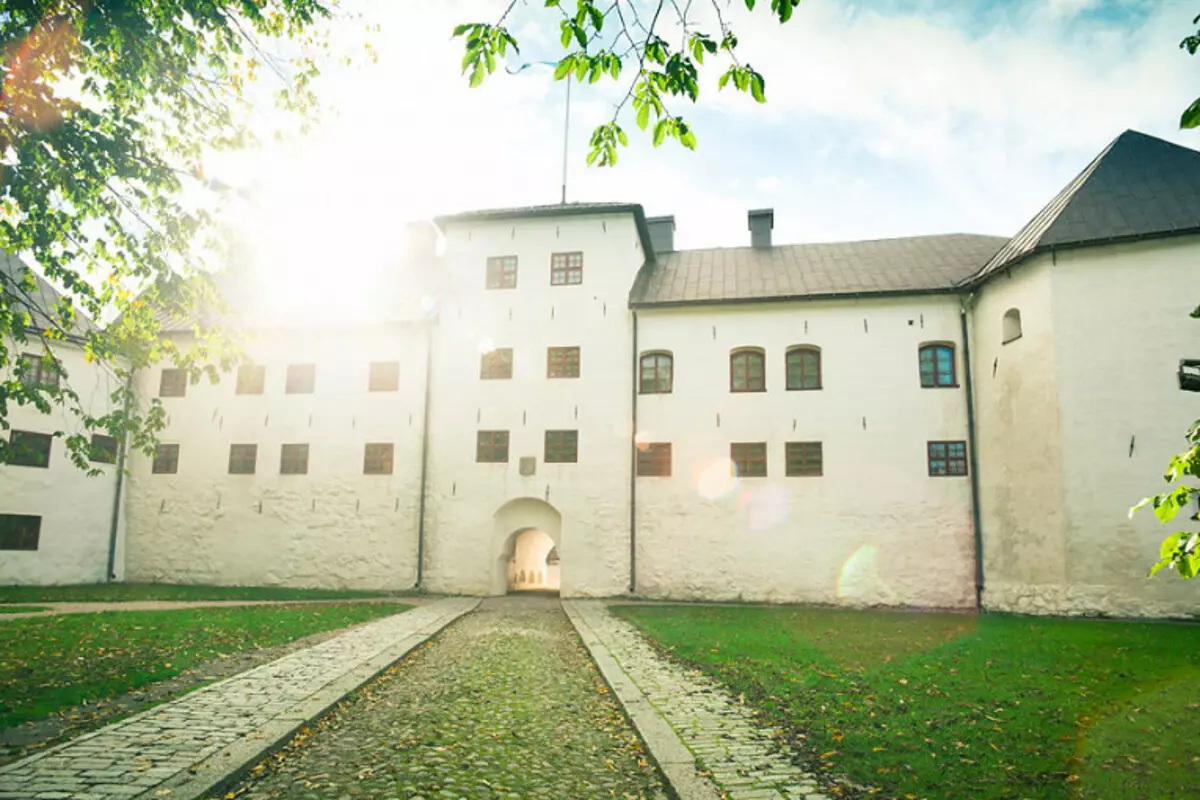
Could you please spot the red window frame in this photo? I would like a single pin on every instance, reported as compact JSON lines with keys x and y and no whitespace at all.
{"x":562,"y":362}
{"x":496,"y":365}
{"x":660,"y":377}
{"x":947,"y":459}
{"x":804,"y":460}
{"x":243,"y":459}
{"x":935,"y":377}
{"x":502,"y":272}
{"x":748,"y":459}
{"x":802,"y":366}
{"x":566,"y":269}
{"x":748,"y":362}
{"x":491,"y":447}
{"x":654,"y":460}
{"x":378,"y":458}
{"x":562,"y":447}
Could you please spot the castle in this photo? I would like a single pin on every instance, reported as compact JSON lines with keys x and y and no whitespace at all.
{"x":556,"y":397}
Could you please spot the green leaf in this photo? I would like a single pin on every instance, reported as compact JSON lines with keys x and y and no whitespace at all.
{"x":660,"y":132}
{"x":462,"y":29}
{"x":1154,"y":570}
{"x":580,"y":35}
{"x":595,"y":73}
{"x":565,"y":38}
{"x":749,"y":5}
{"x":757,"y":87}
{"x":724,"y":79}
{"x":622,"y":138}
{"x":564,"y":66}
{"x":643,"y":116}
{"x":477,"y":74}
{"x":1191,"y":116}
{"x":1170,"y":545}
{"x":688,"y":139}
{"x":597,"y":17}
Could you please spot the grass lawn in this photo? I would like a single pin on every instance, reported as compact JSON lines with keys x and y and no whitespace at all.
{"x":943,"y":706}
{"x":51,"y":663}
{"x":121,"y":592}
{"x":21,"y":609}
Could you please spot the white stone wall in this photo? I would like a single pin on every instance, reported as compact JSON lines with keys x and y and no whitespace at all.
{"x":468,"y":543}
{"x":875,"y":528}
{"x":334,"y":527}
{"x":76,"y":509}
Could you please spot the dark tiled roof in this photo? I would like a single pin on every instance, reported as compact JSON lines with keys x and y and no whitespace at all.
{"x":39,"y":302}
{"x":881,"y":266}
{"x":1138,"y":186}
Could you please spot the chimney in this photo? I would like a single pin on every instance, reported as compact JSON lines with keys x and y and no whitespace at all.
{"x":761,"y":223}
{"x":662,"y":233}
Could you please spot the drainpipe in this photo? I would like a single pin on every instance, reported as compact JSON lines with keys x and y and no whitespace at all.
{"x":633,"y":466}
{"x":110,"y":575}
{"x":971,"y":452}
{"x":420,"y":584}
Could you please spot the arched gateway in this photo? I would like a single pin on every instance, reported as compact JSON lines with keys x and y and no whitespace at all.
{"x":527,"y":542}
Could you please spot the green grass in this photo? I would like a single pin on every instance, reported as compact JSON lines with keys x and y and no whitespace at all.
{"x":51,"y":663}
{"x":122,"y":592}
{"x":944,"y":706}
{"x":22,"y":609}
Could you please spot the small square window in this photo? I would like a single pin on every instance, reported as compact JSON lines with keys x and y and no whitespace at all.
{"x":26,"y":449}
{"x":947,"y":459}
{"x":173,"y":383}
{"x":502,"y":272}
{"x":39,"y":372}
{"x":103,"y":449}
{"x":562,"y":447}
{"x":749,"y":459}
{"x":243,"y":459}
{"x":378,"y":458}
{"x":19,"y":532}
{"x":566,"y":269}
{"x":166,"y":460}
{"x":496,"y":365}
{"x":301,"y":378}
{"x":804,"y":460}
{"x":293,"y":459}
{"x":251,"y":379}
{"x":491,"y":447}
{"x":654,"y":460}
{"x":562,"y":362}
{"x":385,"y":376}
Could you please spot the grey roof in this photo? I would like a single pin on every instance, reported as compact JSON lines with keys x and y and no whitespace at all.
{"x":881,"y":266}
{"x":1138,"y":187}
{"x":39,"y":301}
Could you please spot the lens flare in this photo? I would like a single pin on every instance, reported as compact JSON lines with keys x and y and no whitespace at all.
{"x":715,"y":479}
{"x":765,"y":507}
{"x":486,"y":346}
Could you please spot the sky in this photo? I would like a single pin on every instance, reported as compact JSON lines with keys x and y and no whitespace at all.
{"x":884,"y":118}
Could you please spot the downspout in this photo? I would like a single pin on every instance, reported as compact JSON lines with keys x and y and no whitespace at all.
{"x":633,"y":451}
{"x":971,"y":453}
{"x":420,"y":584}
{"x":110,"y":575}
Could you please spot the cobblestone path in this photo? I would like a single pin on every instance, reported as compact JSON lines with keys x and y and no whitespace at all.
{"x":505,"y":703}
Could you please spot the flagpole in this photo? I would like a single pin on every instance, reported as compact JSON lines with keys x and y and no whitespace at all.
{"x":566,"y":119}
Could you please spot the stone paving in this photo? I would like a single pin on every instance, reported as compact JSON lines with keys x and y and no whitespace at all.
{"x":505,"y":703}
{"x":745,"y":760}
{"x":168,"y":750}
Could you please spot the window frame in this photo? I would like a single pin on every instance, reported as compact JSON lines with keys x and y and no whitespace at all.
{"x":173,"y":382}
{"x":488,"y":443}
{"x":802,"y":350}
{"x":301,"y":379}
{"x":16,"y":540}
{"x":37,"y":374}
{"x":498,"y":277}
{"x":1010,"y":326}
{"x":383,"y":376}
{"x":102,"y":448}
{"x":656,"y":354}
{"x":30,"y":452}
{"x":496,"y":357}
{"x":654,"y":459}
{"x":933,"y":348}
{"x":238,"y":459}
{"x":560,"y":275}
{"x":950,"y":460}
{"x":251,"y":379}
{"x":166,"y":454}
{"x":379,"y":458}
{"x":288,"y":458}
{"x":747,"y":352}
{"x":565,"y":448}
{"x":564,"y":362}
{"x":798,"y":459}
{"x":735,"y":459}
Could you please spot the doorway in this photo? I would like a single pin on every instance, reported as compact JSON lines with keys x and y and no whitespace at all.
{"x":534,"y":565}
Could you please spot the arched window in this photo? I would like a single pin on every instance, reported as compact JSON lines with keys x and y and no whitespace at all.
{"x":937,"y":366}
{"x":657,"y":373}
{"x":803,"y":367}
{"x":747,"y":370}
{"x":1012,"y":325}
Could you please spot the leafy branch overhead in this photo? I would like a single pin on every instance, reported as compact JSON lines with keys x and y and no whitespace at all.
{"x":626,"y":39}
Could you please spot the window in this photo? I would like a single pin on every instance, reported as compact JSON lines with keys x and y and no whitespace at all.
{"x":19,"y":531}
{"x":491,"y":447}
{"x":26,"y":449}
{"x":749,"y":459}
{"x":301,"y":378}
{"x":654,"y":460}
{"x":657,"y":373}
{"x":243,"y":459}
{"x":293,"y":459}
{"x":385,"y":376}
{"x":39,"y":372}
{"x":803,"y":368}
{"x":1011,"y":326}
{"x":804,"y":460}
{"x":496,"y":365}
{"x":747,"y":372}
{"x":103,"y":449}
{"x":166,"y":459}
{"x":251,"y":379}
{"x":173,"y":383}
{"x":937,"y":366}
{"x":947,"y":458}
{"x":502,"y":272}
{"x":378,"y":459}
{"x":566,"y":269}
{"x":562,"y":362}
{"x":562,"y":447}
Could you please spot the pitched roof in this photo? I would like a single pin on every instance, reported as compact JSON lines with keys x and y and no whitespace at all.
{"x":40,"y":301}
{"x":1139,"y":186}
{"x":881,"y":266}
